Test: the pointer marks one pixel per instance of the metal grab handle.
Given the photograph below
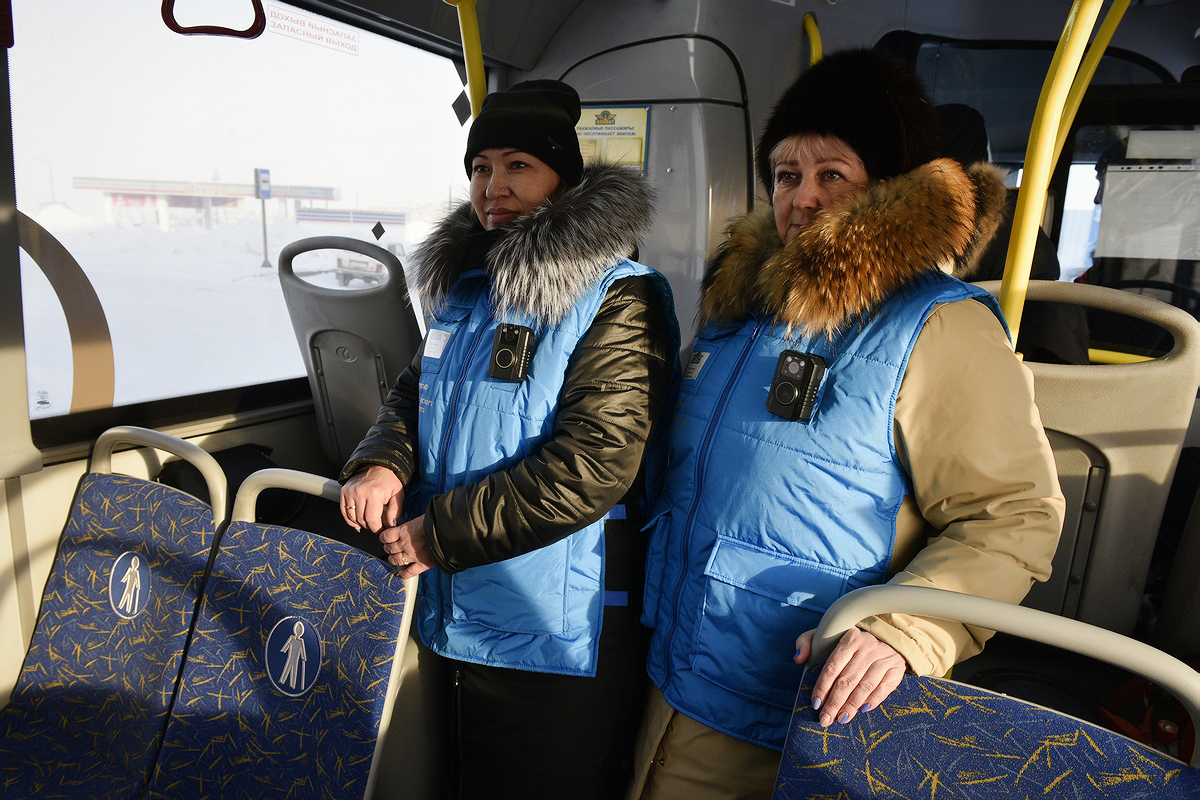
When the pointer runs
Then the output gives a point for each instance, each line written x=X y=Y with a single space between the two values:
x=395 y=270
x=253 y=32
x=278 y=478
x=210 y=470
x=1103 y=645
x=1183 y=327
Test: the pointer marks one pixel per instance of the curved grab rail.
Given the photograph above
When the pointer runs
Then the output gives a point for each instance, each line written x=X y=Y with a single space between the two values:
x=1182 y=326
x=94 y=373
x=468 y=26
x=1079 y=637
x=253 y=32
x=814 y=37
x=279 y=478
x=1031 y=200
x=210 y=470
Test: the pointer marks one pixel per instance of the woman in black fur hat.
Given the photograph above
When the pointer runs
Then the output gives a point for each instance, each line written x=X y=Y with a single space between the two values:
x=851 y=415
x=519 y=443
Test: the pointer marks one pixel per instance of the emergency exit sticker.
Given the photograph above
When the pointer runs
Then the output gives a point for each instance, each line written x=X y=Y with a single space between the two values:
x=312 y=29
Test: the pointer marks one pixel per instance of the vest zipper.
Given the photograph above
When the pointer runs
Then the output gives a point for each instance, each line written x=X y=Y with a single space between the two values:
x=701 y=464
x=451 y=415
x=443 y=579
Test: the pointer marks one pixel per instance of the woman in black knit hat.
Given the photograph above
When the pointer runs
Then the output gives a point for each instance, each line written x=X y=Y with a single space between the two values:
x=851 y=415
x=518 y=445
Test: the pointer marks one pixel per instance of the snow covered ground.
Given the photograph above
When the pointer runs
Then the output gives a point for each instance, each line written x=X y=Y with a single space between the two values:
x=191 y=310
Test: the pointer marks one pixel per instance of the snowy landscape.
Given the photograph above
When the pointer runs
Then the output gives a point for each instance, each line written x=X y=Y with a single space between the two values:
x=112 y=107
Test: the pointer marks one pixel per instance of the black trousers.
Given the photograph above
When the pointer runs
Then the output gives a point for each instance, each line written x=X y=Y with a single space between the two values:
x=536 y=736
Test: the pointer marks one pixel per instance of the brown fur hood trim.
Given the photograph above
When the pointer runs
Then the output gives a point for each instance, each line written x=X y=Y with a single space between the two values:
x=856 y=254
x=543 y=262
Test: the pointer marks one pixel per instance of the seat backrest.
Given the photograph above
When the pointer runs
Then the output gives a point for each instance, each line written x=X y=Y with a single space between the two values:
x=293 y=666
x=935 y=737
x=1117 y=431
x=119 y=602
x=354 y=342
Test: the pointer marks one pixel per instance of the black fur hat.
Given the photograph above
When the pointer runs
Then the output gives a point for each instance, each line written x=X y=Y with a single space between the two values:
x=537 y=117
x=870 y=99
x=962 y=132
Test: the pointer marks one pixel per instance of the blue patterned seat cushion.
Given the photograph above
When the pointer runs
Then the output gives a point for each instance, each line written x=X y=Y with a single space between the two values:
x=284 y=685
x=41 y=760
x=99 y=670
x=935 y=738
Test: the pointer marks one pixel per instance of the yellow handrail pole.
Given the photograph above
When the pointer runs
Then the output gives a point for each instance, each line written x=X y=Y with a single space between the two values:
x=1087 y=70
x=814 y=37
x=1031 y=200
x=468 y=26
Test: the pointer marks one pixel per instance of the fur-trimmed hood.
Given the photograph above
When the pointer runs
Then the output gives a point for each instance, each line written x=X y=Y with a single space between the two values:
x=543 y=262
x=857 y=253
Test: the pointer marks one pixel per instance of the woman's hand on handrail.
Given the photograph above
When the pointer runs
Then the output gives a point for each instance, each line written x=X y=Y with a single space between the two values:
x=372 y=499
x=859 y=674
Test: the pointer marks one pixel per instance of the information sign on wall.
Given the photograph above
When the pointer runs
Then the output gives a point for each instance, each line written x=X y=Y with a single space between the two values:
x=615 y=134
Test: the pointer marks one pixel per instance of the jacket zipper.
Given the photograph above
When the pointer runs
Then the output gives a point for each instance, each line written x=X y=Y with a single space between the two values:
x=701 y=465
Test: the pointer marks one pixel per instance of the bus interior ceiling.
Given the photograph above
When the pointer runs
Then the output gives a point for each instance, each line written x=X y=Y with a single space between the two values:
x=708 y=73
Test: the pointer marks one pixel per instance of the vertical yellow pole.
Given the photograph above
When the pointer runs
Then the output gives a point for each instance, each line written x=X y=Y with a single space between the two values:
x=1039 y=158
x=1092 y=60
x=468 y=26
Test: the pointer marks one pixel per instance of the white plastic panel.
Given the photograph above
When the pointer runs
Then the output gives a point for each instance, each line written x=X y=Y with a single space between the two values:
x=698 y=68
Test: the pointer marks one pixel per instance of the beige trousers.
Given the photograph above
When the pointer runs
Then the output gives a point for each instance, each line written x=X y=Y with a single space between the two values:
x=678 y=758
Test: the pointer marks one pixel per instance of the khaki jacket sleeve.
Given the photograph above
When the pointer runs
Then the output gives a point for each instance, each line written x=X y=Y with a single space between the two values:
x=983 y=477
x=616 y=387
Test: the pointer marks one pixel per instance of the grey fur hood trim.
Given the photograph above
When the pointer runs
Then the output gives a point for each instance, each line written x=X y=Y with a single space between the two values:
x=856 y=254
x=543 y=262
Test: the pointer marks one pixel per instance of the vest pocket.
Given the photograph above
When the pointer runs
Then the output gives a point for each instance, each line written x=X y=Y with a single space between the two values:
x=756 y=602
x=553 y=590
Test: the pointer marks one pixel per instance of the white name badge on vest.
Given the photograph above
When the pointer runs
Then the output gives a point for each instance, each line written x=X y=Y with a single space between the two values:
x=435 y=342
x=695 y=364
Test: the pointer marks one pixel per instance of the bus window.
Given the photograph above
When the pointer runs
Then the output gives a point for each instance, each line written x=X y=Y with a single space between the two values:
x=1130 y=178
x=172 y=169
x=1002 y=80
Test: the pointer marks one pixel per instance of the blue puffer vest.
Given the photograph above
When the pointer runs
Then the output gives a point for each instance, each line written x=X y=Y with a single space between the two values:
x=764 y=522
x=541 y=611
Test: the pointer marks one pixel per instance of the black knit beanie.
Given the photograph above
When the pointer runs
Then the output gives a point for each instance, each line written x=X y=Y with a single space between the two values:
x=537 y=117
x=870 y=99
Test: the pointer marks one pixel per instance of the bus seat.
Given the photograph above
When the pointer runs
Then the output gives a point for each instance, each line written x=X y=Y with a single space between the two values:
x=91 y=702
x=293 y=668
x=355 y=343
x=1117 y=431
x=1176 y=629
x=934 y=737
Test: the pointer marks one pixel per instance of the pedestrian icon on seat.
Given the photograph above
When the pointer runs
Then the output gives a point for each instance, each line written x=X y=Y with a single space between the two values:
x=129 y=585
x=293 y=656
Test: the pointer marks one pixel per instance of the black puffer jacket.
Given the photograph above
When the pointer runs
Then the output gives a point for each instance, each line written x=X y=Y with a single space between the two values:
x=616 y=389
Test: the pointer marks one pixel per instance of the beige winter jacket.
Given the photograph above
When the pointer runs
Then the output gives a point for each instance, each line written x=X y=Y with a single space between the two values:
x=987 y=509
